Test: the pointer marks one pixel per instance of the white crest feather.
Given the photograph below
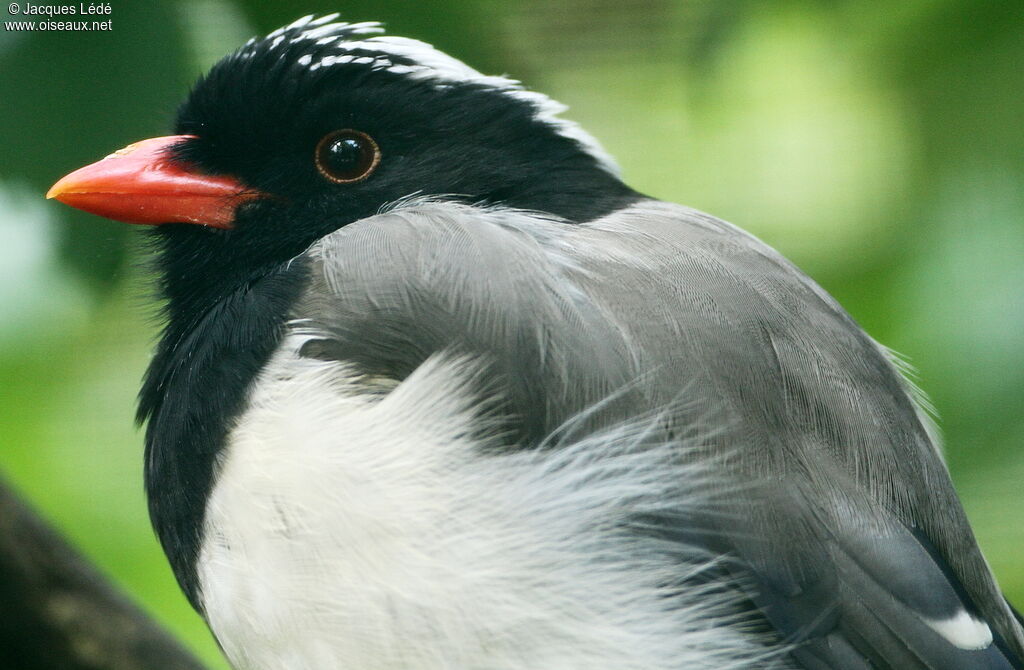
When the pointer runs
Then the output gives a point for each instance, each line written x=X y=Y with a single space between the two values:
x=420 y=61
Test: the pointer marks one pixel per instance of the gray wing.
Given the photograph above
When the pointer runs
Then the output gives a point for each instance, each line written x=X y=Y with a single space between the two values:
x=844 y=533
x=853 y=532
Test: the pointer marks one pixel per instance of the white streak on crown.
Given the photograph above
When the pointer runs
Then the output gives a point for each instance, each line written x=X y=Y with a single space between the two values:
x=425 y=63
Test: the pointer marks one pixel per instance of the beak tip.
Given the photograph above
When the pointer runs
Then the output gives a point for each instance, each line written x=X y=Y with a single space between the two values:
x=59 y=188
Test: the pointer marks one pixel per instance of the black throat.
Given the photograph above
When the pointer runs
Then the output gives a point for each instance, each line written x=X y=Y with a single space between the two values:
x=223 y=325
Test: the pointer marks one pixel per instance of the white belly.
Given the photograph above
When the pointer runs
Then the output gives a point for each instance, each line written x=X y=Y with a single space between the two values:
x=354 y=530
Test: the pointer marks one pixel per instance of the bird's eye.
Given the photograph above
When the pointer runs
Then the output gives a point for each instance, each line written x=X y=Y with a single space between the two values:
x=346 y=156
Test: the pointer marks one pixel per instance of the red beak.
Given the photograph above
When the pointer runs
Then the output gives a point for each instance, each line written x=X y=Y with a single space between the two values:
x=140 y=184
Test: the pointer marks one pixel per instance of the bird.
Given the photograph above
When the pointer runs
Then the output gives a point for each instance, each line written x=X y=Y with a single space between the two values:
x=437 y=389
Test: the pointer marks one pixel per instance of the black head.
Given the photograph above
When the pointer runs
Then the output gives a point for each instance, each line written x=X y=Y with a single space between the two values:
x=287 y=114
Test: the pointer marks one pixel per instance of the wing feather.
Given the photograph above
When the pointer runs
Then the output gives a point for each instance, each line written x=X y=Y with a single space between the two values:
x=845 y=533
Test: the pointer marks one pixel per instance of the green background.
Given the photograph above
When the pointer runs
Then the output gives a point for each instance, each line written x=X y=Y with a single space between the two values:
x=878 y=145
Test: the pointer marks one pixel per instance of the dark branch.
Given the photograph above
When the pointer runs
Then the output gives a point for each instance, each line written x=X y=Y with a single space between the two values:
x=57 y=612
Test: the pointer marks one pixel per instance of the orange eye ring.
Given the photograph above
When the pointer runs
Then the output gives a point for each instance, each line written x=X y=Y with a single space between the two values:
x=346 y=156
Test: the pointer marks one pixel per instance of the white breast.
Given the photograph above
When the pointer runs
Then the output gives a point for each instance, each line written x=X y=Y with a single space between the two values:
x=355 y=525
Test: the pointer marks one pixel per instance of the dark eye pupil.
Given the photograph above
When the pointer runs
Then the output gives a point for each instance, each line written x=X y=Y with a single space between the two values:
x=346 y=156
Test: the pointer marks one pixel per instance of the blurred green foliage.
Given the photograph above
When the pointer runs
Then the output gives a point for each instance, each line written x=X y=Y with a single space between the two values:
x=879 y=146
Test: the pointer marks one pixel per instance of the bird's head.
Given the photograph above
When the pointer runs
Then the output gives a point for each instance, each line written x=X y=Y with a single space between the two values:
x=322 y=123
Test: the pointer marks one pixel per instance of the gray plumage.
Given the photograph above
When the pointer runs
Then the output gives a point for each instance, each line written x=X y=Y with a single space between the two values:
x=843 y=525
x=392 y=432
